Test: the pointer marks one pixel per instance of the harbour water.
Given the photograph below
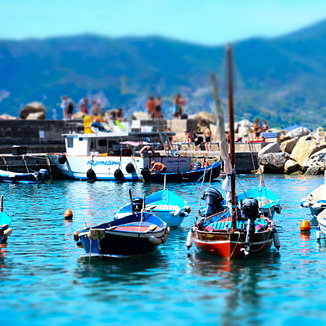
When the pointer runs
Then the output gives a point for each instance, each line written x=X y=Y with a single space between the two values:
x=45 y=282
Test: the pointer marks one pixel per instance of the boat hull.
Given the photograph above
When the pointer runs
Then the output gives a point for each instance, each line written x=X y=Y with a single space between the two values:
x=129 y=236
x=76 y=166
x=210 y=173
x=14 y=177
x=321 y=219
x=230 y=245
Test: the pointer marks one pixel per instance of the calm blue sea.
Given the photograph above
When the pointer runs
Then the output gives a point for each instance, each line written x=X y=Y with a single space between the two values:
x=45 y=282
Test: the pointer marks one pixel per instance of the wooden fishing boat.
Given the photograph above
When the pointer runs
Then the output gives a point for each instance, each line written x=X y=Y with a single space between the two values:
x=165 y=204
x=238 y=230
x=137 y=233
x=208 y=173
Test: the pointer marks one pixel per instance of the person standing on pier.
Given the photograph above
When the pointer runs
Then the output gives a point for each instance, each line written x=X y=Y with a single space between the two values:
x=83 y=103
x=151 y=106
x=196 y=138
x=67 y=106
x=208 y=138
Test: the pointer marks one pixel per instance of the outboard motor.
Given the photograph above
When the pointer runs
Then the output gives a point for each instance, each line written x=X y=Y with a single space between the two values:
x=146 y=174
x=250 y=211
x=214 y=201
x=43 y=174
x=137 y=204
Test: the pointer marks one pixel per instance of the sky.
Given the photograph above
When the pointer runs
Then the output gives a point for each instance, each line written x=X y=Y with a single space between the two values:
x=210 y=22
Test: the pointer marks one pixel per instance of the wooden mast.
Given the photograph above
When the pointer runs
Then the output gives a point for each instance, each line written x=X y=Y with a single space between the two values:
x=229 y=58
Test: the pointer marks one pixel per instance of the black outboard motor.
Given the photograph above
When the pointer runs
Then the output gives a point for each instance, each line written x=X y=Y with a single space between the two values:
x=136 y=204
x=146 y=174
x=250 y=211
x=214 y=201
x=43 y=174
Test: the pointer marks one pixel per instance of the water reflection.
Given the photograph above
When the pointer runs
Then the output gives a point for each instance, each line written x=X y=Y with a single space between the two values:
x=124 y=270
x=241 y=278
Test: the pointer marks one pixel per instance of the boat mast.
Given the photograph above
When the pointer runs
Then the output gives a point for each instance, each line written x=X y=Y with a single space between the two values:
x=231 y=125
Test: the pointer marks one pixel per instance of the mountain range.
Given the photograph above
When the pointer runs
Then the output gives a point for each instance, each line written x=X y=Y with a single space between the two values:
x=281 y=79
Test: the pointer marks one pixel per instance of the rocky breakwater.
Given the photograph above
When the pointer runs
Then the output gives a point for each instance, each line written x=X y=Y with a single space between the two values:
x=299 y=151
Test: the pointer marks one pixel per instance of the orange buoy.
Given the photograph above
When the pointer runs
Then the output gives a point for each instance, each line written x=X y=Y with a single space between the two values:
x=305 y=226
x=68 y=214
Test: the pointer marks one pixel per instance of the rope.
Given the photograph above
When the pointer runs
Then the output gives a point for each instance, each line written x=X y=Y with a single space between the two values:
x=49 y=165
x=200 y=192
x=25 y=163
x=137 y=171
x=235 y=245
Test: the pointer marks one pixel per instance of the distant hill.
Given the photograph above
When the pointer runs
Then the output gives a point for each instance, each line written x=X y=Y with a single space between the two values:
x=280 y=79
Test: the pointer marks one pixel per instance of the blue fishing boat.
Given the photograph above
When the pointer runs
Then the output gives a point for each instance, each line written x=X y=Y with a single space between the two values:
x=5 y=230
x=165 y=204
x=135 y=234
x=207 y=173
x=267 y=200
x=29 y=178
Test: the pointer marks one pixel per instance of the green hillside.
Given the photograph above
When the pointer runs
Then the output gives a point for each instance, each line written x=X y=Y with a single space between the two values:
x=279 y=79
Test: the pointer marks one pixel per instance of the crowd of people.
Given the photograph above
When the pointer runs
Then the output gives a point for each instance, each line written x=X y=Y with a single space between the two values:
x=96 y=108
x=154 y=107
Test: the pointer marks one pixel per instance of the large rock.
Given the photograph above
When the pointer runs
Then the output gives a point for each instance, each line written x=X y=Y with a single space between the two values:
x=305 y=147
x=291 y=166
x=274 y=162
x=36 y=116
x=288 y=145
x=316 y=160
x=298 y=132
x=313 y=171
x=270 y=148
x=204 y=119
x=32 y=108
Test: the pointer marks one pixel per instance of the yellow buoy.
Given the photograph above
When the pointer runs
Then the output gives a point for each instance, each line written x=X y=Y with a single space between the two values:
x=305 y=226
x=68 y=214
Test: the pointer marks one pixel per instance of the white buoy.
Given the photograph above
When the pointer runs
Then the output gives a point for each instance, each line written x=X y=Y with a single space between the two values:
x=190 y=238
x=318 y=233
x=276 y=239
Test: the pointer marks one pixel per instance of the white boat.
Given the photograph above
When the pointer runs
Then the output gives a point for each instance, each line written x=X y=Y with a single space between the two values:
x=99 y=156
x=316 y=200
x=321 y=219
